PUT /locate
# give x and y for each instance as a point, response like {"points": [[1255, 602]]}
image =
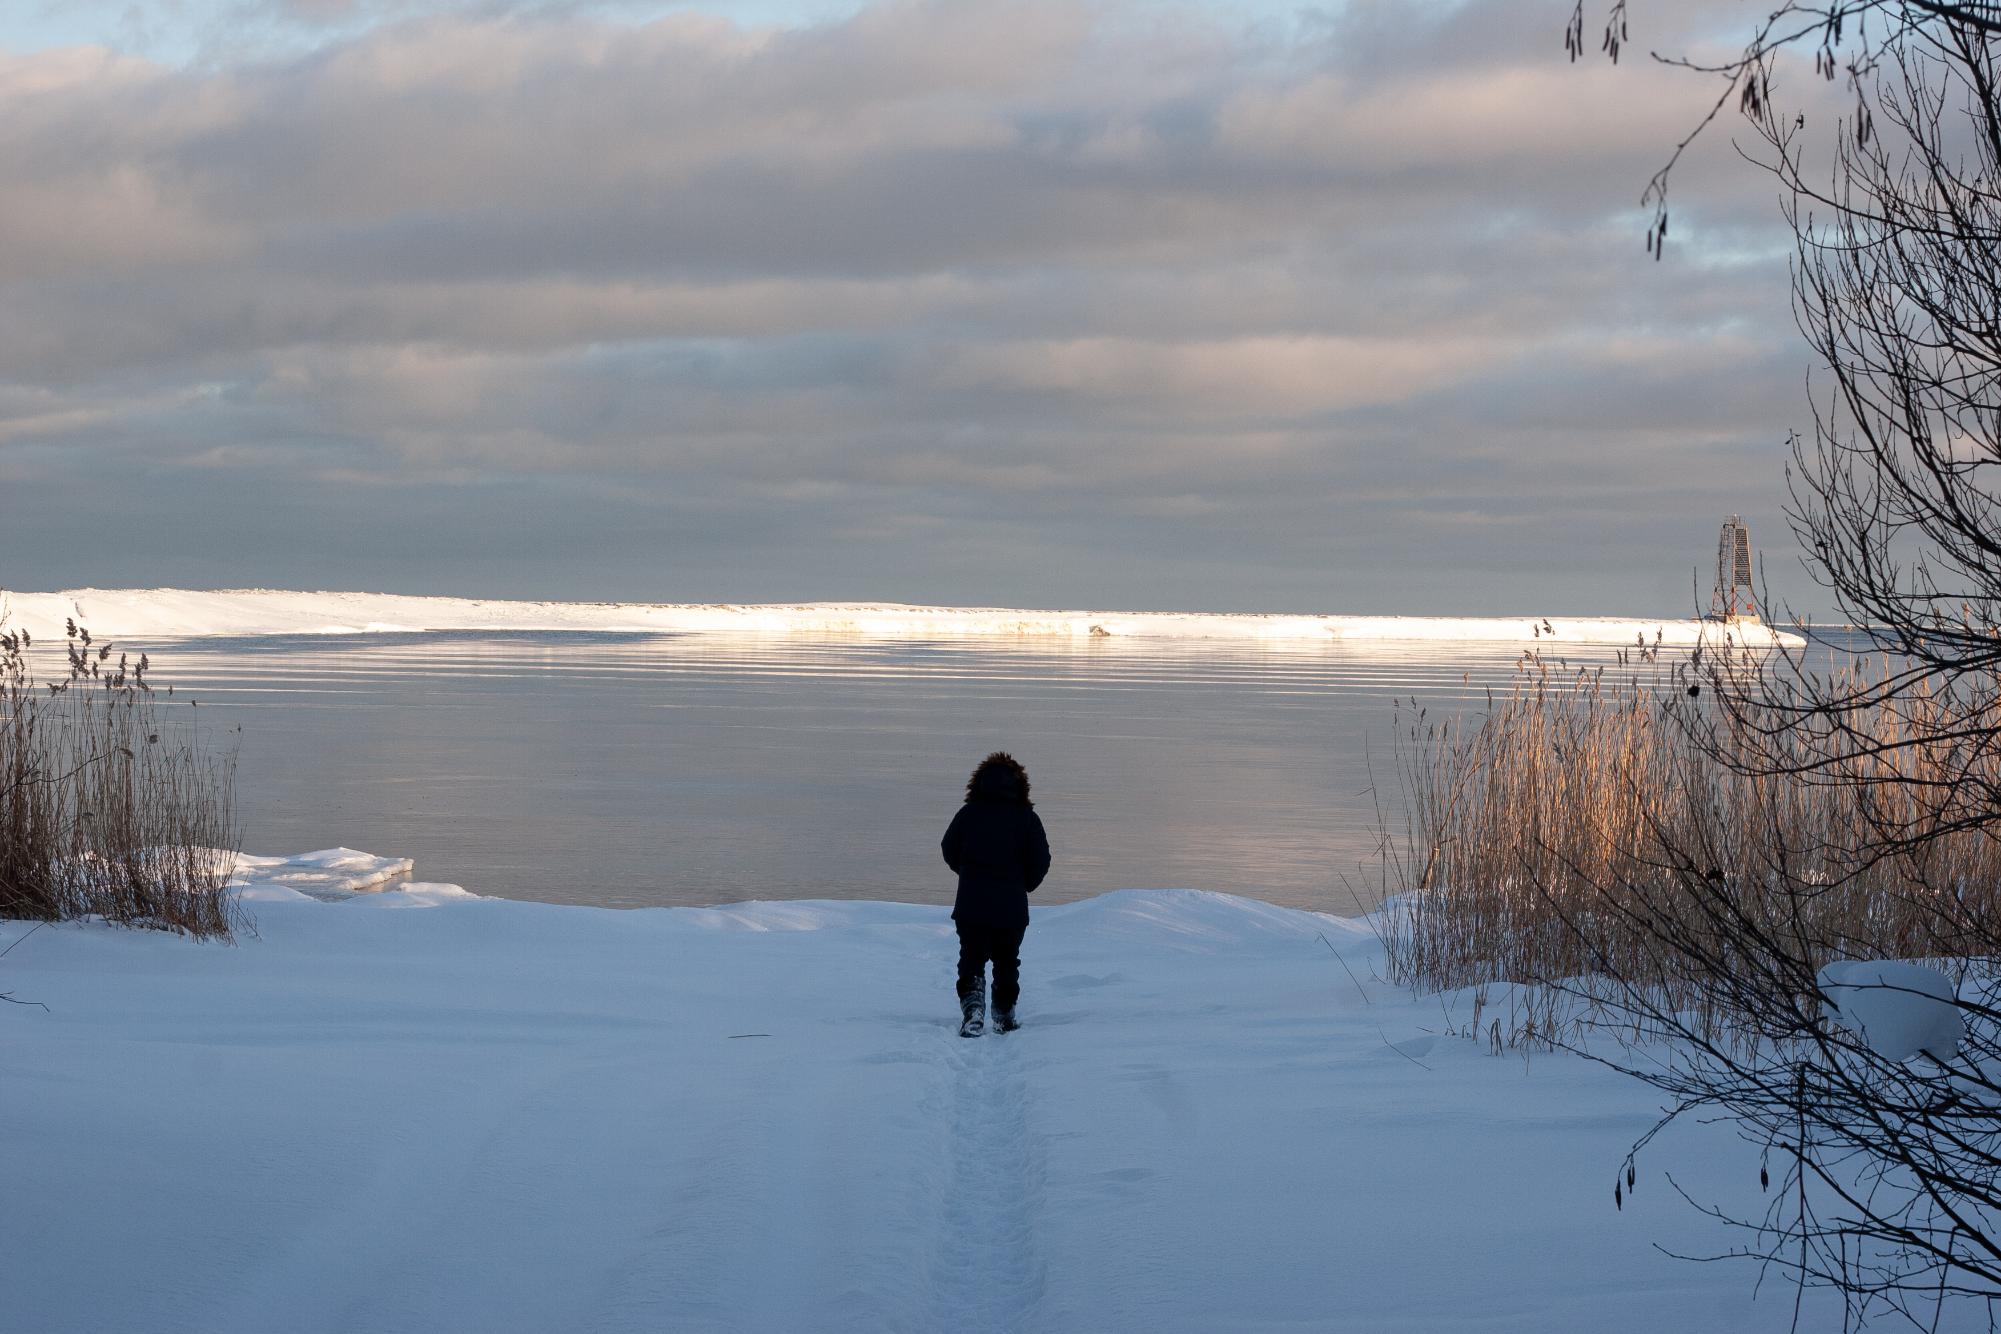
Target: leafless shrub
{"points": [[1872, 798]]}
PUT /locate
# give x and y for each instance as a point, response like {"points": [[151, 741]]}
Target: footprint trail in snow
{"points": [[987, 1273]]}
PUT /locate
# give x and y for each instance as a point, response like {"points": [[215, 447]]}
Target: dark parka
{"points": [[997, 846]]}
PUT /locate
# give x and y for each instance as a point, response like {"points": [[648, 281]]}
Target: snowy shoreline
{"points": [[423, 1109], [185, 613]]}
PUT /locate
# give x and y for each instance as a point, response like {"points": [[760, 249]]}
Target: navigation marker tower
{"points": [[1733, 599]]}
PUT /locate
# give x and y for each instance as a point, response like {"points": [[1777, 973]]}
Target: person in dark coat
{"points": [[997, 846]]}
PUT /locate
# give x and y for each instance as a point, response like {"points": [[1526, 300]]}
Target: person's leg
{"points": [[1006, 948], [973, 950]]}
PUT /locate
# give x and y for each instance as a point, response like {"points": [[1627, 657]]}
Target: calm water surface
{"points": [[636, 770]]}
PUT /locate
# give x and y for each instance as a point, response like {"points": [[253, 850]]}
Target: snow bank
{"points": [[174, 613], [1898, 1009], [424, 1110]]}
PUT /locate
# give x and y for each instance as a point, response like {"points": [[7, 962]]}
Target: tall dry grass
{"points": [[108, 807], [1573, 840]]}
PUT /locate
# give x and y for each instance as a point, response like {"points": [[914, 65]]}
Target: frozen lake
{"points": [[633, 770]]}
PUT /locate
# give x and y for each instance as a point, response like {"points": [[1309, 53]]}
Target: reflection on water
{"points": [[633, 770]]}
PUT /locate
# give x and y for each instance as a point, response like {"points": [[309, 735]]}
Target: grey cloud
{"points": [[1039, 302]]}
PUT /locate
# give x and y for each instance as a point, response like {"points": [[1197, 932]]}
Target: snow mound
{"points": [[421, 894], [1898, 1009], [178, 613], [803, 915], [1188, 918]]}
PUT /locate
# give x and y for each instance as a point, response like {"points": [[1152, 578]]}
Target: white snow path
{"points": [[426, 1111]]}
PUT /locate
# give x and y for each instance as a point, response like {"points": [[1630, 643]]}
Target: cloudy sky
{"points": [[1110, 303]]}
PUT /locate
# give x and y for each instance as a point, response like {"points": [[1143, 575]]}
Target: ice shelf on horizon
{"points": [[177, 613]]}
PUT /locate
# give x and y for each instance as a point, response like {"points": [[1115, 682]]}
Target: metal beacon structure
{"points": [[1733, 599]]}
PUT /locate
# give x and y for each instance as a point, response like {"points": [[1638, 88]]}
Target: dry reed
{"points": [[108, 807], [1556, 847]]}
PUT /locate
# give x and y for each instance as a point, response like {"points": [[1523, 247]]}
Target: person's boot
{"points": [[973, 1012], [1004, 1020]]}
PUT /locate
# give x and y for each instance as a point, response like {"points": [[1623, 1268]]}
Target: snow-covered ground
{"points": [[424, 1110], [173, 613]]}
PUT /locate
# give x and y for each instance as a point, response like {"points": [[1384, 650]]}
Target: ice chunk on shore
{"points": [[330, 873], [1897, 1008]]}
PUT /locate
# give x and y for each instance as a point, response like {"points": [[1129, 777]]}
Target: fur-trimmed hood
{"points": [[999, 779]]}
